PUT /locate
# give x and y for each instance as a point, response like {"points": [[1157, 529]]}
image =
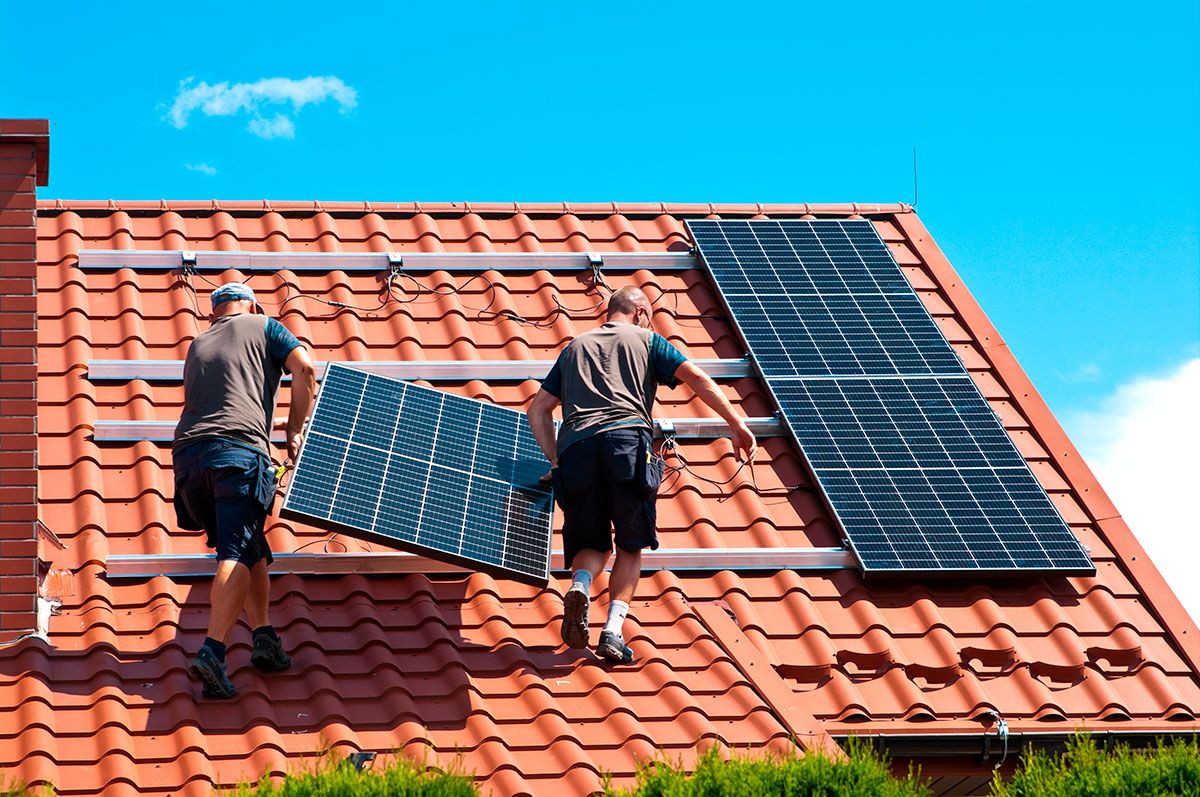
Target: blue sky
{"points": [[1058, 144]]}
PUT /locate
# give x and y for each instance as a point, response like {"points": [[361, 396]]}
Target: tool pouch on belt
{"points": [[649, 471], [267, 482]]}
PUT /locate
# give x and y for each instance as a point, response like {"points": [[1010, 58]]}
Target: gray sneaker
{"points": [[212, 674], [575, 617], [269, 655], [613, 648]]}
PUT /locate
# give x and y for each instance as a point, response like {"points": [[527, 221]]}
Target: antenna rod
{"points": [[915, 195]]}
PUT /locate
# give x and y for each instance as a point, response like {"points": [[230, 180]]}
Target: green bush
{"points": [[1086, 771], [333, 778], [862, 774], [18, 788]]}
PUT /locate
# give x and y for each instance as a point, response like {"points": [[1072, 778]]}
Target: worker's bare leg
{"points": [[229, 590], [627, 569], [258, 596], [590, 560]]}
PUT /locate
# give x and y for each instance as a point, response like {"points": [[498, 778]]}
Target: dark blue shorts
{"points": [[218, 485], [607, 485]]}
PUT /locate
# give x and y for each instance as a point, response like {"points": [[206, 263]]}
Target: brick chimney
{"points": [[24, 165]]}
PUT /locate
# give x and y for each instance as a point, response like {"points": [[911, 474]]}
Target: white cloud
{"points": [[278, 127], [200, 167], [1143, 444], [223, 99], [1088, 372]]}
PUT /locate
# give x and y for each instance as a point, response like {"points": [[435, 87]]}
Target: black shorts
{"points": [[608, 482], [219, 487]]}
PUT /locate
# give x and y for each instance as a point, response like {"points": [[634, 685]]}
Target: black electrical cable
{"points": [[187, 280], [390, 288], [332, 538], [670, 446], [679, 318]]}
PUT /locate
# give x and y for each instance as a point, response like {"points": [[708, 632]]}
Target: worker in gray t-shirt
{"points": [[604, 472], [224, 477]]}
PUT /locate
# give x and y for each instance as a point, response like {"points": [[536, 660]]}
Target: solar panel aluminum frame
{"points": [[543, 498], [815, 473]]}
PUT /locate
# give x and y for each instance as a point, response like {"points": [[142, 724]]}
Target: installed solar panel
{"points": [[842, 334], [916, 467], [895, 423], [430, 472], [923, 476]]}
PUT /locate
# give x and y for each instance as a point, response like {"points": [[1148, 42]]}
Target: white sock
{"points": [[582, 577], [616, 617]]}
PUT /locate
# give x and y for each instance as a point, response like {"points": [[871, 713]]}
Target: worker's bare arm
{"points": [[304, 382], [541, 421], [706, 389]]}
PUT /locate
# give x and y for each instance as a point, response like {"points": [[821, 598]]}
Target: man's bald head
{"points": [[627, 300]]}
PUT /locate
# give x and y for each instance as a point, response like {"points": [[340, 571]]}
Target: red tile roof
{"points": [[437, 665]]}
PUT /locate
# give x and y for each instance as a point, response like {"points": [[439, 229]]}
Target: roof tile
{"points": [[443, 664]]}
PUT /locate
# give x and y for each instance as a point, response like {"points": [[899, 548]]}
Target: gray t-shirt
{"points": [[231, 381], [607, 377]]}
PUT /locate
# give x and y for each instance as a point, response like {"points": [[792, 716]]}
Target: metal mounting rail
{"points": [[685, 429], [109, 259], [680, 559], [429, 370]]}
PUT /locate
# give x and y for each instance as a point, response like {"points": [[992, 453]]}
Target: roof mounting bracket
{"points": [[395, 262], [595, 260], [188, 258]]}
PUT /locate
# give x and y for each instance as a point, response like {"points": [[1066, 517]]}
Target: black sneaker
{"points": [[269, 655], [212, 674], [613, 648], [575, 617]]}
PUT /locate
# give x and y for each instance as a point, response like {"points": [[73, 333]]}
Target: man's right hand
{"points": [[744, 444], [293, 444]]}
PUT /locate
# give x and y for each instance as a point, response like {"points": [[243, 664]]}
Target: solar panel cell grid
{"points": [[894, 423], [426, 471], [843, 335]]}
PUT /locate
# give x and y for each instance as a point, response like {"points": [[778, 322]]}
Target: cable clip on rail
{"points": [[395, 264], [667, 427], [187, 261], [596, 261]]}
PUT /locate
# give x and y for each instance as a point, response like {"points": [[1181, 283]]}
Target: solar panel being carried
{"points": [[451, 478], [916, 467]]}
